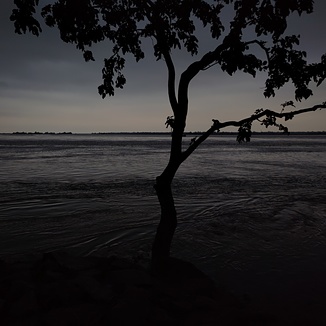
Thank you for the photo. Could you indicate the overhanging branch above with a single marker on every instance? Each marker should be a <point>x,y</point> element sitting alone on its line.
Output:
<point>217,126</point>
<point>267,112</point>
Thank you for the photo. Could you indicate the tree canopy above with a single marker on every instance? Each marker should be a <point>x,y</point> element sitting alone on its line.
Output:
<point>172,24</point>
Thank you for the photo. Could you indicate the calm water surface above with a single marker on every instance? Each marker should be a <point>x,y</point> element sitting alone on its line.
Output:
<point>255,208</point>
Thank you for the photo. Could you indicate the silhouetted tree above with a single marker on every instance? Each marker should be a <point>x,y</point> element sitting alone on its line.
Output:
<point>253,41</point>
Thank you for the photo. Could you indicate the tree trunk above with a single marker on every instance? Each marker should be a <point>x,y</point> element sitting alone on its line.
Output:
<point>168,223</point>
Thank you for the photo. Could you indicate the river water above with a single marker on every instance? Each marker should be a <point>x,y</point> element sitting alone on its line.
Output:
<point>244,209</point>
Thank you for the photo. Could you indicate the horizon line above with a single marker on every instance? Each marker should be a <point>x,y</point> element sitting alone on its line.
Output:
<point>148,132</point>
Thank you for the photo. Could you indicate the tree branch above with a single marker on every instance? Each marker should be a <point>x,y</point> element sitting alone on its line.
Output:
<point>171,81</point>
<point>197,142</point>
<point>193,69</point>
<point>152,16</point>
<point>219,125</point>
<point>262,45</point>
<point>267,112</point>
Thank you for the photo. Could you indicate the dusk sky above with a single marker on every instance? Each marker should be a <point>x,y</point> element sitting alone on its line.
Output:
<point>46,85</point>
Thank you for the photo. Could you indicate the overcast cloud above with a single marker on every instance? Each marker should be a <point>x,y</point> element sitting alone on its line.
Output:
<point>45,85</point>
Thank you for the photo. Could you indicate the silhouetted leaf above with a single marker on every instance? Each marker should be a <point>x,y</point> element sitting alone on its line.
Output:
<point>88,55</point>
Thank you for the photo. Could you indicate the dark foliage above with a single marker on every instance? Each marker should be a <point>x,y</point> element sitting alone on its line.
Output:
<point>171,24</point>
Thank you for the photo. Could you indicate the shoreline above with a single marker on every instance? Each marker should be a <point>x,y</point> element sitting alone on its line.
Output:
<point>62,289</point>
<point>163,133</point>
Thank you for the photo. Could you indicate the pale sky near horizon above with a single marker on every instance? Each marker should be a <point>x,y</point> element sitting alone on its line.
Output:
<point>45,85</point>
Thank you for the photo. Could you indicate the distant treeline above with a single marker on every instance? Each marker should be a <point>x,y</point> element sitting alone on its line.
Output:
<point>190,133</point>
<point>41,133</point>
<point>197,133</point>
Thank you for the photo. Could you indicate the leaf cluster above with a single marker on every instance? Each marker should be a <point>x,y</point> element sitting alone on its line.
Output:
<point>244,132</point>
<point>23,17</point>
<point>285,64</point>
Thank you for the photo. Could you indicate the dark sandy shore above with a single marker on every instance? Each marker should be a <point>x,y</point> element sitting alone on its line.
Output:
<point>61,289</point>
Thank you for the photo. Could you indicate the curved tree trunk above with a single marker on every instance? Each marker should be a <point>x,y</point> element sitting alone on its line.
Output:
<point>168,223</point>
